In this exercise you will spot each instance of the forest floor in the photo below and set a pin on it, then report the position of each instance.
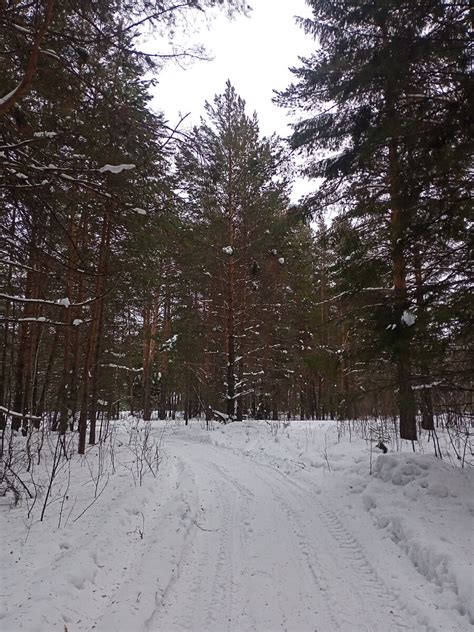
(248, 527)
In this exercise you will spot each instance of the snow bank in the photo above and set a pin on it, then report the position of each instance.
(426, 507)
(87, 565)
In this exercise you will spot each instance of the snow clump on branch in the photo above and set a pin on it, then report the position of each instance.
(116, 168)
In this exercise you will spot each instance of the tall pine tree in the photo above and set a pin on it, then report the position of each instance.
(385, 114)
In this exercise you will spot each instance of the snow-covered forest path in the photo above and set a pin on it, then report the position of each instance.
(265, 551)
(248, 527)
(272, 557)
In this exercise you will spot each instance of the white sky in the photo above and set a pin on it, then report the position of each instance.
(254, 52)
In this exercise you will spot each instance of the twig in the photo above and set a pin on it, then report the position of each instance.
(203, 529)
(95, 499)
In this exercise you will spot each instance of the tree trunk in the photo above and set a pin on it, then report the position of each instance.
(96, 372)
(93, 340)
(406, 399)
(147, 358)
(9, 101)
(49, 367)
(230, 336)
(426, 402)
(24, 355)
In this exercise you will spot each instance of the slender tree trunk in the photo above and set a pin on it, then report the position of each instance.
(186, 404)
(344, 412)
(93, 341)
(230, 335)
(399, 222)
(406, 399)
(321, 411)
(96, 372)
(76, 343)
(426, 401)
(3, 368)
(47, 376)
(24, 355)
(165, 386)
(230, 297)
(147, 360)
(65, 389)
(322, 391)
(274, 408)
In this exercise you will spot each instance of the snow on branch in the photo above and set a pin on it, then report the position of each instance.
(9, 95)
(9, 100)
(45, 134)
(16, 264)
(22, 29)
(50, 53)
(242, 394)
(62, 302)
(42, 320)
(116, 168)
(16, 145)
(13, 413)
(121, 366)
(169, 344)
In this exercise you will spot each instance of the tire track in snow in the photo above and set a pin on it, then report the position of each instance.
(223, 570)
(200, 597)
(139, 609)
(277, 557)
(313, 562)
(347, 553)
(241, 616)
(307, 562)
(182, 618)
(370, 582)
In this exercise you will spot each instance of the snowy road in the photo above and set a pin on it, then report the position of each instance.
(266, 553)
(247, 528)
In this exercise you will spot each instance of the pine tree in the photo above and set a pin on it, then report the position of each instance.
(74, 100)
(388, 82)
(234, 200)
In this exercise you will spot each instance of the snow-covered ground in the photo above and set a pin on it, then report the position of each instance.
(251, 526)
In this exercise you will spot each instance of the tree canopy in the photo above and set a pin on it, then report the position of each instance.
(149, 270)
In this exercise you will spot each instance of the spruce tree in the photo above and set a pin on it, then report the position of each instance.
(384, 101)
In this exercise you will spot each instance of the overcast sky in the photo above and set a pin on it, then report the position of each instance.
(254, 52)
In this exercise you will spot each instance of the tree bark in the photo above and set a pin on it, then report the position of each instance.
(230, 335)
(406, 399)
(150, 324)
(90, 364)
(13, 97)
(426, 400)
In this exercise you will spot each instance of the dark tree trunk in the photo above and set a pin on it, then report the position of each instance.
(406, 399)
(147, 363)
(92, 353)
(230, 390)
(426, 402)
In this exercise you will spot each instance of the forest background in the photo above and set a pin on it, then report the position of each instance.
(149, 268)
